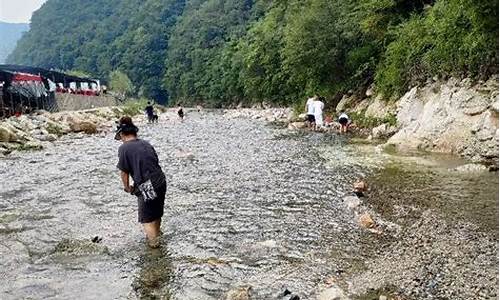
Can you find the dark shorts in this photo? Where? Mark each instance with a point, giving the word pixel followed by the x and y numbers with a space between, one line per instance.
pixel 343 121
pixel 181 114
pixel 152 210
pixel 310 118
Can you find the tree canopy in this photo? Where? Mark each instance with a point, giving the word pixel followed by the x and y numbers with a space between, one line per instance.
pixel 221 52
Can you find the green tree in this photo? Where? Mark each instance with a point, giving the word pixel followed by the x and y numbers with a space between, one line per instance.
pixel 121 84
pixel 454 38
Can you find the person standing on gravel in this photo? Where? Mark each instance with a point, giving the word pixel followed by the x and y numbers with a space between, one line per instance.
pixel 137 158
pixel 180 113
pixel 150 112
pixel 310 111
pixel 318 106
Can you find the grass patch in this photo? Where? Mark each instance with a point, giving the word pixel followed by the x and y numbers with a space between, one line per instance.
pixel 134 107
pixel 363 121
pixel 53 128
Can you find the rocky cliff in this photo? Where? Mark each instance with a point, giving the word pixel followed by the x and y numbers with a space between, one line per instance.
pixel 457 117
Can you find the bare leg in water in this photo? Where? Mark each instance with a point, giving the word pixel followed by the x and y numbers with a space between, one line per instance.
pixel 153 232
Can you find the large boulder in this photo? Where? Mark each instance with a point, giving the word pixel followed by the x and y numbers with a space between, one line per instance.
pixel 346 102
pixel 84 126
pixel 450 117
pixel 297 125
pixel 383 131
pixel 7 134
pixel 379 108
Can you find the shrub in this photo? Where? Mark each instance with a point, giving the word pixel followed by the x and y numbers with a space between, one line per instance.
pixel 454 38
pixel 134 107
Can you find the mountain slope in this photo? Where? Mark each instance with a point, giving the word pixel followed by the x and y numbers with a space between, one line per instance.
pixel 10 33
pixel 221 52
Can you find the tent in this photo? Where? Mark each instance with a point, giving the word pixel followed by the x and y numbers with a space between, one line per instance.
pixel 23 93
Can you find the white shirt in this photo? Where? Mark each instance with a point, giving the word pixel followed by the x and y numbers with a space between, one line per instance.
pixel 310 107
pixel 318 107
pixel 343 115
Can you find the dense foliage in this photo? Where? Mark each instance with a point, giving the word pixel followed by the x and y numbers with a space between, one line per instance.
pixel 121 84
pixel 221 52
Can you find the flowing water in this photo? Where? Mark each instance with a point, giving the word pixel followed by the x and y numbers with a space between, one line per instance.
pixel 249 206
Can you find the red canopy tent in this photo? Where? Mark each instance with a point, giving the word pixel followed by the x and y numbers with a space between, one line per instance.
pixel 26 77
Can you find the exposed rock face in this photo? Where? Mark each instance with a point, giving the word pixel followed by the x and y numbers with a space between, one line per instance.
pixel 346 102
pixel 379 108
pixel 450 117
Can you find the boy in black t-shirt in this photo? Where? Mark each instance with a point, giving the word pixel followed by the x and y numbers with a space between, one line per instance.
pixel 137 158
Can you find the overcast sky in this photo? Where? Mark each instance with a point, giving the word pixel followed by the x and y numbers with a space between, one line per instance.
pixel 18 11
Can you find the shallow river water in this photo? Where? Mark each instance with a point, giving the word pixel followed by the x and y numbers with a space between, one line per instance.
pixel 250 207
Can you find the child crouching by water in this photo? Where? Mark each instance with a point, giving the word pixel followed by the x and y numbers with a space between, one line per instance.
pixel 137 158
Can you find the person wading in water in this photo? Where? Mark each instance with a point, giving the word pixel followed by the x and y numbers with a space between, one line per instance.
pixel 137 158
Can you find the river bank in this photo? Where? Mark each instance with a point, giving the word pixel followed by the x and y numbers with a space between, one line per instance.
pixel 37 130
pixel 458 117
pixel 246 216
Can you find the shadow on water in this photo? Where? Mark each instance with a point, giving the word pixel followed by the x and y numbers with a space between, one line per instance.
pixel 154 274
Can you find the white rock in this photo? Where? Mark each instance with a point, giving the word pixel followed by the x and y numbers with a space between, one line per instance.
pixel 268 244
pixel 333 293
pixel 352 202
pixel 449 117
pixel 370 91
pixel 345 102
pixel 471 168
pixel 379 108
pixel 379 131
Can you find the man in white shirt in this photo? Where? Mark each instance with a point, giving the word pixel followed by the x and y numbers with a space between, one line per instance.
pixel 310 110
pixel 318 106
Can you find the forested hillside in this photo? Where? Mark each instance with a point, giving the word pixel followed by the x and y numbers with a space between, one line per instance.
pixel 219 52
pixel 10 33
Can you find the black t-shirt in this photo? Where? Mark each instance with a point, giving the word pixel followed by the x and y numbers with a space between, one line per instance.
pixel 139 159
pixel 149 110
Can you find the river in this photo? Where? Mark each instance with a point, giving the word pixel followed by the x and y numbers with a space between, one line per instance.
pixel 250 206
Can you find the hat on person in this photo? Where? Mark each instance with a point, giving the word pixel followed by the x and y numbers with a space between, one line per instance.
pixel 125 125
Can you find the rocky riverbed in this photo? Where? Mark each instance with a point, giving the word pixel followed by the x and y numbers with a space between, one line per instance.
pixel 254 211
pixel 38 130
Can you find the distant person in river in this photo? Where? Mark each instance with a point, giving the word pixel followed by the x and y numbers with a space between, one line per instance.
pixel 344 122
pixel 137 158
pixel 318 106
pixel 310 111
pixel 150 112
pixel 180 113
